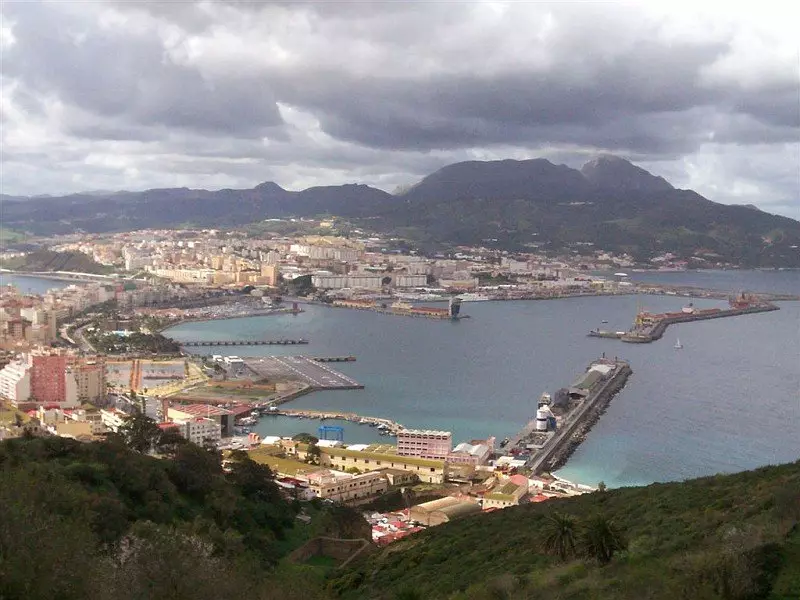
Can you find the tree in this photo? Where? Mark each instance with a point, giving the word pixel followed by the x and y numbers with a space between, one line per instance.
pixel 255 481
pixel 313 455
pixel 193 470
pixel 560 532
pixel 601 487
pixel 169 440
pixel 140 433
pixel 306 438
pixel 408 496
pixel 600 539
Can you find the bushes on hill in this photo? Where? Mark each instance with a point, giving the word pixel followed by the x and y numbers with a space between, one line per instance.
pixel 81 519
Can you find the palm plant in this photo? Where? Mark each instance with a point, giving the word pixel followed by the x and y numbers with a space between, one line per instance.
pixel 600 539
pixel 559 535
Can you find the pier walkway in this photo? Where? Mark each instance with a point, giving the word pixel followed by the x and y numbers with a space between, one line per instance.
pixel 391 427
pixel 657 330
pixel 566 439
pixel 654 331
pixel 242 342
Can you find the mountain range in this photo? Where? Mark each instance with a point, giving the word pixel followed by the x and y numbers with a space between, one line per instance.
pixel 608 204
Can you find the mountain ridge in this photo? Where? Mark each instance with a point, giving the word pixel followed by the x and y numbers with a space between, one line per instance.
pixel 609 204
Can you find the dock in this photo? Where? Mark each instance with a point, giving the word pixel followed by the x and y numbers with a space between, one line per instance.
pixel 576 423
pixel 316 374
pixel 655 331
pixel 280 342
pixel 651 327
pixel 601 333
pixel 390 427
pixel 333 358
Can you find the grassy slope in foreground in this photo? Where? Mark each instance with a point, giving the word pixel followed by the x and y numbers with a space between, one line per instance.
pixel 731 537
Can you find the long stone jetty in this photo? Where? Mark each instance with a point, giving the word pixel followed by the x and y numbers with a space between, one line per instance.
pixel 575 424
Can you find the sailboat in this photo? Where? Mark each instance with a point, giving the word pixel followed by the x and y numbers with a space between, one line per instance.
pixel 678 344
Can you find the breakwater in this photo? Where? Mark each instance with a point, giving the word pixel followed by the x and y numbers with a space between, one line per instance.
pixel 655 331
pixel 574 426
pixel 577 431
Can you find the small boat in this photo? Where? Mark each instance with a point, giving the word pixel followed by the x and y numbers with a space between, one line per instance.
pixel 604 321
pixel 678 345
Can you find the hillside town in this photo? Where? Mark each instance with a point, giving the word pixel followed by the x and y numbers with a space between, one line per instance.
pixel 71 369
pixel 86 360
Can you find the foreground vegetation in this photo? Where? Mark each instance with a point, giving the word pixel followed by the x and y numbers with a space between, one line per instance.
pixel 103 520
pixel 732 537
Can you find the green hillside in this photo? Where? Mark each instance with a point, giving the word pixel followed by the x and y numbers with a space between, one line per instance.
pixel 727 537
pixel 47 260
pixel 99 521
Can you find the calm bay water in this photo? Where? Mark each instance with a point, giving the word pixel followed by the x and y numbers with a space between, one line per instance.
pixel 31 285
pixel 730 400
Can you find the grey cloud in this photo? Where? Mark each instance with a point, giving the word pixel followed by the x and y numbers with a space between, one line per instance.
pixel 129 79
pixel 398 89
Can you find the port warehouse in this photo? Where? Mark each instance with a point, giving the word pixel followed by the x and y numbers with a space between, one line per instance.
pixel 428 471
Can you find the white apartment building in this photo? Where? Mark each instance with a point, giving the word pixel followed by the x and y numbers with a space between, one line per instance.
pixel 367 282
pixel 200 429
pixel 15 381
pixel 113 418
pixel 424 443
pixel 185 275
pixel 410 280
pixel 329 282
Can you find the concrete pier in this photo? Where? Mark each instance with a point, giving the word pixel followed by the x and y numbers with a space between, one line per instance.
pixel 576 423
pixel 654 332
pixel 244 342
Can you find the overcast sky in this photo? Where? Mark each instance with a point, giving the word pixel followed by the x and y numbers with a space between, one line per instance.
pixel 134 95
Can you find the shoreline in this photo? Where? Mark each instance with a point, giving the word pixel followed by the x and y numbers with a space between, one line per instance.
pixel 78 277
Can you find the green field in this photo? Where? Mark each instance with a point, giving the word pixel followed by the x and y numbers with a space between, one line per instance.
pixel 10 236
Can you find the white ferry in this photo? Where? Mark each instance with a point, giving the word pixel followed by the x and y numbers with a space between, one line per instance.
pixel 473 297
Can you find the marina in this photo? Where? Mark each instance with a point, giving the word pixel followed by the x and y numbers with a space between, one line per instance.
pixel 385 426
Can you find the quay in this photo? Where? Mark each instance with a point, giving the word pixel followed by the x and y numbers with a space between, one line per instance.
pixel 606 334
pixel 316 374
pixel 242 342
pixel 581 404
pixel 650 327
pixel 387 425
pixel 650 332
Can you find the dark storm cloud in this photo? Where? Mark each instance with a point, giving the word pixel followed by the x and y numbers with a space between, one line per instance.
pixel 304 93
pixel 129 79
